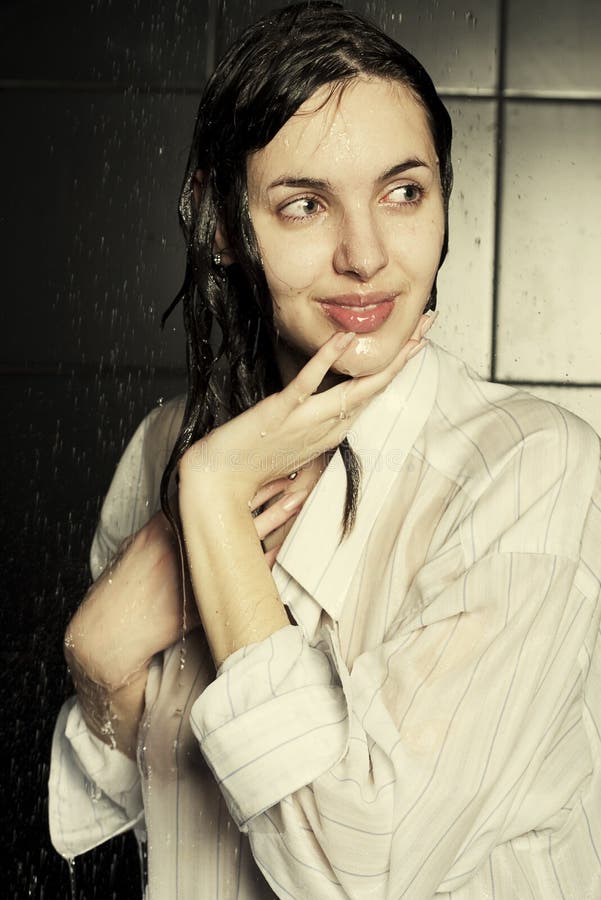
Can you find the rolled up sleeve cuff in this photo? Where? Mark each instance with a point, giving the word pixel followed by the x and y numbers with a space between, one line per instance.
pixel 94 791
pixel 274 720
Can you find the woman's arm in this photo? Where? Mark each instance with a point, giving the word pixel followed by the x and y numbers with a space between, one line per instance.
pixel 135 610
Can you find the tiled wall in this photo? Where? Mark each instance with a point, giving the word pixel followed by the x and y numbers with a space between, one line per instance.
pixel 519 296
pixel 98 101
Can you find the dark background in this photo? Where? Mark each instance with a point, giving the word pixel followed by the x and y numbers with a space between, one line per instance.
pixel 98 99
pixel 98 102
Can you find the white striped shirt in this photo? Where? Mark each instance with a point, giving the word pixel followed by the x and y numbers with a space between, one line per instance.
pixel 432 724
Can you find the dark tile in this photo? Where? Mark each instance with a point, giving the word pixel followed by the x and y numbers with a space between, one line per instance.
pixel 63 438
pixel 141 42
pixel 92 246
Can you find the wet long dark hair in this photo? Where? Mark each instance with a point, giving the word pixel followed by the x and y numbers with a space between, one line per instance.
pixel 262 80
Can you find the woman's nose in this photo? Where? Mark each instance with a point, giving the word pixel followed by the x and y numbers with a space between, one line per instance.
pixel 360 249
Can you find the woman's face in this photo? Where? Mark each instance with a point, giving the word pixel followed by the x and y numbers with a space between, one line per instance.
pixel 347 207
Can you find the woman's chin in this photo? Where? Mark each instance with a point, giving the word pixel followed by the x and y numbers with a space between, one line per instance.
pixel 364 357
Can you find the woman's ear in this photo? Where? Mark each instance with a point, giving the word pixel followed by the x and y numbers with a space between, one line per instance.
pixel 220 245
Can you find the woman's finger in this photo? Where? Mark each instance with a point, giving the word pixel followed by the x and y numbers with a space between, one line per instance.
pixel 312 374
pixel 363 389
pixel 346 399
pixel 279 512
pixel 270 555
pixel 268 491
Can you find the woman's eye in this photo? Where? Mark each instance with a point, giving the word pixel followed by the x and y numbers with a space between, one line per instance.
pixel 405 194
pixel 304 208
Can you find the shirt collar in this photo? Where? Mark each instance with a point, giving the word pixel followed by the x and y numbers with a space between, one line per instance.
pixel 382 437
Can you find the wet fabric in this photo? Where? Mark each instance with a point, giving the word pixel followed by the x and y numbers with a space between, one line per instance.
pixel 431 726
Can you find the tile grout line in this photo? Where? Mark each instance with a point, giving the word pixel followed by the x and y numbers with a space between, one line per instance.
pixel 498 193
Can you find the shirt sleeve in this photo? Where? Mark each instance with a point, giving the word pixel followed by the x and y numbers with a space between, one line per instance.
pixel 398 778
pixel 94 790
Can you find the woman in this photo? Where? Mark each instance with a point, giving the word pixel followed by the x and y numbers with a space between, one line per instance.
pixel 406 702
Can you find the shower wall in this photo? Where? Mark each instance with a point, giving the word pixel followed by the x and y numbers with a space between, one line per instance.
pixel 98 102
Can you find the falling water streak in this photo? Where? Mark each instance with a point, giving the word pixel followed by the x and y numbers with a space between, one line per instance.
pixel 109 729
pixel 143 856
pixel 72 878
pixel 182 562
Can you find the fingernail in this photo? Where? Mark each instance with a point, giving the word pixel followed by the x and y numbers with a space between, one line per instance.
pixel 416 350
pixel 429 323
pixel 294 500
pixel 343 339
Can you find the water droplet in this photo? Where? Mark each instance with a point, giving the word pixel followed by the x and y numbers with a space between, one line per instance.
pixel 93 791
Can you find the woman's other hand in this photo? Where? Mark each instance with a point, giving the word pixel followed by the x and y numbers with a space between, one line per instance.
pixel 136 609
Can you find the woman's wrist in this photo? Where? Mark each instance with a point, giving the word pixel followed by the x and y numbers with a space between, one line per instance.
pixel 113 716
pixel 210 475
pixel 236 596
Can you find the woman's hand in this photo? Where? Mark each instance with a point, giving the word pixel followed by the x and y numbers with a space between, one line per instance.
pixel 288 429
pixel 134 609
pixel 222 476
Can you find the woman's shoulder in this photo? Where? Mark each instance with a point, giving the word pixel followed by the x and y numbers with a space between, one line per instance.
pixel 134 493
pixel 146 454
pixel 159 429
pixel 527 468
pixel 498 417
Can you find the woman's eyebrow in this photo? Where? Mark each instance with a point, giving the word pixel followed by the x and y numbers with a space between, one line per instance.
pixel 316 184
pixel 404 167
pixel 320 184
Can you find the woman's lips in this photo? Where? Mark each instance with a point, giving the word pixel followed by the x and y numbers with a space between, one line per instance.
pixel 360 319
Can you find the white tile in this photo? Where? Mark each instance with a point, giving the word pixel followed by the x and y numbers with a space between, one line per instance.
pixel 549 326
pixel 553 47
pixel 465 282
pixel 585 402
